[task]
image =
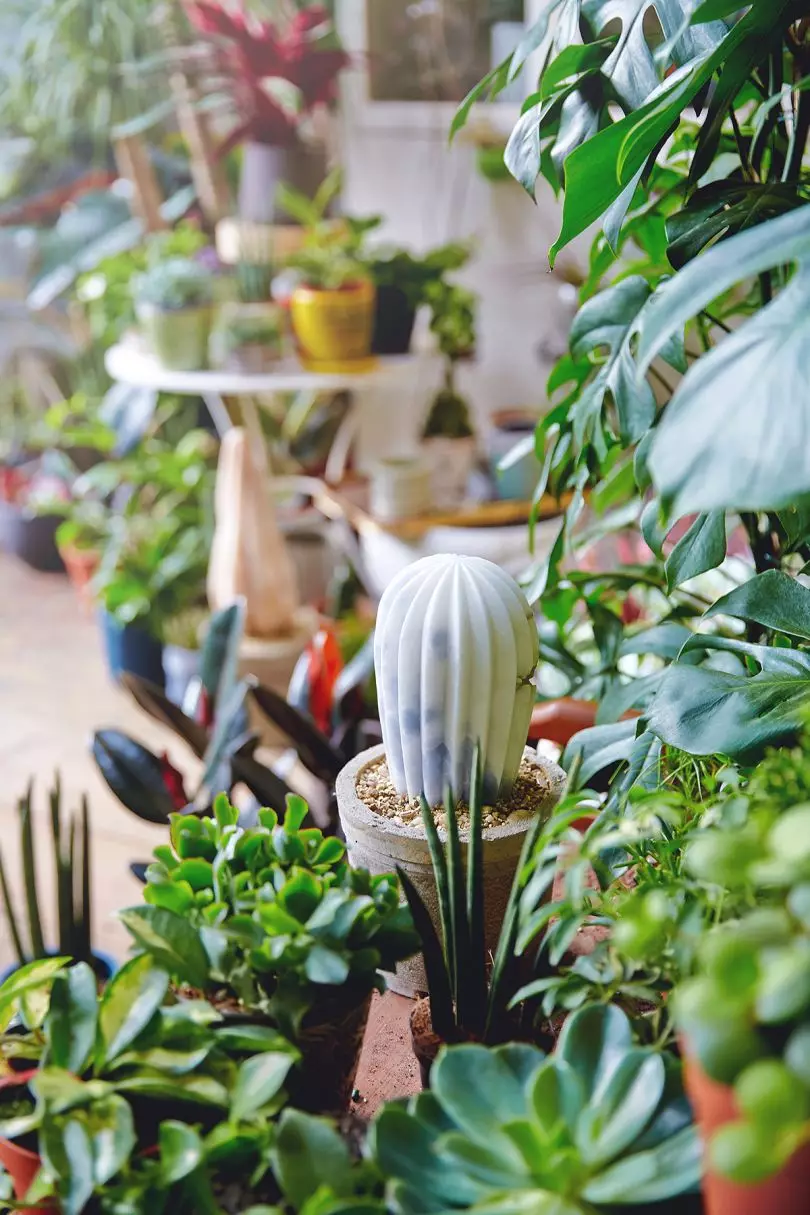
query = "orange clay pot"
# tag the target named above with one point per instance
(786, 1193)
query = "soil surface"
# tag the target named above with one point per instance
(376, 790)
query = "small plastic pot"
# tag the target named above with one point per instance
(334, 328)
(30, 537)
(130, 648)
(394, 319)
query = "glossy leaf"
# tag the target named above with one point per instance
(181, 1151)
(67, 1152)
(773, 599)
(171, 940)
(113, 1137)
(702, 548)
(72, 1018)
(128, 1004)
(599, 747)
(708, 712)
(309, 1153)
(134, 774)
(630, 1100)
(593, 1042)
(258, 1081)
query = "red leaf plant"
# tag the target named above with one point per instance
(254, 55)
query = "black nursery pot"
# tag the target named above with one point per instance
(32, 538)
(394, 318)
(129, 648)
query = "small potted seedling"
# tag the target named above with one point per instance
(173, 299)
(448, 436)
(248, 337)
(455, 652)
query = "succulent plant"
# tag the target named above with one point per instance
(273, 914)
(600, 1123)
(745, 1014)
(455, 651)
(70, 843)
(173, 284)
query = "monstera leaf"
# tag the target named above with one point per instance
(733, 434)
(606, 323)
(711, 712)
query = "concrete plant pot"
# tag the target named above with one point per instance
(379, 845)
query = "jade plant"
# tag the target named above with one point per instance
(270, 916)
(455, 649)
(601, 1123)
(745, 1014)
(117, 1073)
(70, 847)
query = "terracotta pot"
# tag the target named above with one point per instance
(786, 1193)
(330, 1052)
(21, 1164)
(559, 720)
(81, 564)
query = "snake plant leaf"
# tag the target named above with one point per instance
(73, 1018)
(702, 548)
(773, 599)
(706, 712)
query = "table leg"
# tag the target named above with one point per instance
(219, 413)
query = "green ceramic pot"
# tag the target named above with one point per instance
(179, 339)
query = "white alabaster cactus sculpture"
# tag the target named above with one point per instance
(455, 650)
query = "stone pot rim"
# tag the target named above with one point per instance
(359, 814)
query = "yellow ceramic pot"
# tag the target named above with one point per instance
(334, 328)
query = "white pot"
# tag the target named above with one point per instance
(400, 488)
(451, 462)
(379, 845)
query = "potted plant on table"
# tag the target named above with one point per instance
(404, 282)
(271, 923)
(448, 435)
(332, 307)
(174, 303)
(466, 625)
(70, 842)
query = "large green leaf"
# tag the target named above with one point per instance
(481, 1091)
(707, 712)
(702, 548)
(181, 1151)
(308, 1153)
(773, 599)
(258, 1081)
(600, 747)
(605, 323)
(72, 1018)
(731, 436)
(171, 940)
(130, 1000)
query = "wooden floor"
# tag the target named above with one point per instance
(54, 692)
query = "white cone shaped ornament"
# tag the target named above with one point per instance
(455, 650)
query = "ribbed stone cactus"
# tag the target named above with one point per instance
(455, 650)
